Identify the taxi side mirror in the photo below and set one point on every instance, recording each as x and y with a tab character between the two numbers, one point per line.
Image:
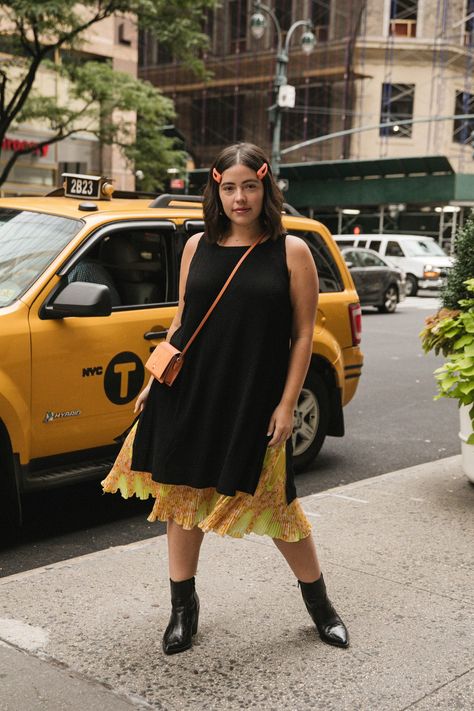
80	298
349	265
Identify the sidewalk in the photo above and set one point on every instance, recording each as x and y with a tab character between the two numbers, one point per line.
398	557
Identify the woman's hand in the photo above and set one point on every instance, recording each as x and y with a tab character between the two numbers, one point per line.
281	425
141	399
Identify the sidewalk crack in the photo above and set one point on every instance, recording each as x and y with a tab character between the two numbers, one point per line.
434	691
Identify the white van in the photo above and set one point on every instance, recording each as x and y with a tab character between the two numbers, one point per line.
424	262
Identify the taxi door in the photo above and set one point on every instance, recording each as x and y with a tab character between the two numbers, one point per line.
88	371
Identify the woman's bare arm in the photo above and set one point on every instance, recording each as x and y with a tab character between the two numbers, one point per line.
304	290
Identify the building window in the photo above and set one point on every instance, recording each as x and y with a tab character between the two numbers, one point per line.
469	25
150	52
397	105
238	26
283	12
217	120
310	116
464	104
320	14
208	29
403	15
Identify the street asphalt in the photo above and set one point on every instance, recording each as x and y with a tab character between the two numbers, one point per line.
397	555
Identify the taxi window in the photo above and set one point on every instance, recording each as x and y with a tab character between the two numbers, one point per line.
133	263
29	241
329	277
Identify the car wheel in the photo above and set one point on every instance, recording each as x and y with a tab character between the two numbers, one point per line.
310	421
411	287
10	500
390	301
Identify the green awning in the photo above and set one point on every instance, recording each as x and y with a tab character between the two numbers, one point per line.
382	167
428	180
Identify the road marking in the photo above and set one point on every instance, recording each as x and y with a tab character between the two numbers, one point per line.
349	498
311	514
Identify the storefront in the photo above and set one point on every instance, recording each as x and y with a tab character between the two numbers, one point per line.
40	171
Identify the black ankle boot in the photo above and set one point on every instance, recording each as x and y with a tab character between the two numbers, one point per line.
183	622
329	625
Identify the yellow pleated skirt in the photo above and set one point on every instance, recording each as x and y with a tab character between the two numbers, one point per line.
266	512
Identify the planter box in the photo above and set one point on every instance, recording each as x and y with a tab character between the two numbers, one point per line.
467	450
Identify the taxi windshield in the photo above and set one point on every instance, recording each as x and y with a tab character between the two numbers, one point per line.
29	241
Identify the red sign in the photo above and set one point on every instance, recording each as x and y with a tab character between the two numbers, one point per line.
15	144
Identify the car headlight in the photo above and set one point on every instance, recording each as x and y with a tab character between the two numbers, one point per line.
430	272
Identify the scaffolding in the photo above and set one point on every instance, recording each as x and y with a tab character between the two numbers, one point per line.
332	82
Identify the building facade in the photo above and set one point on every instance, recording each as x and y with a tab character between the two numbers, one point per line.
398	62
114	39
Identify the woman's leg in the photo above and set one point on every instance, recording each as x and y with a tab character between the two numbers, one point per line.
303	561
183	556
183	551
301	557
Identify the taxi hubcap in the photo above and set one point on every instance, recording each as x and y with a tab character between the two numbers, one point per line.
305	424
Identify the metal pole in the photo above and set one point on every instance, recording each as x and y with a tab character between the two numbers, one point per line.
361	129
279	80
381	218
275	115
441	228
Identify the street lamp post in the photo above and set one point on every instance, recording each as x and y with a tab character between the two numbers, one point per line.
284	93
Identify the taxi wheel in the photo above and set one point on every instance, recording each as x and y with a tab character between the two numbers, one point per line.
10	500
311	421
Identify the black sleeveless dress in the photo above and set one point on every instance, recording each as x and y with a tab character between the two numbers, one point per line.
210	428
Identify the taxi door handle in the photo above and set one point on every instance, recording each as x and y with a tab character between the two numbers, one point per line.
151	335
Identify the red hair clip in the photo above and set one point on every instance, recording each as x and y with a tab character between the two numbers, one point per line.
216	175
261	172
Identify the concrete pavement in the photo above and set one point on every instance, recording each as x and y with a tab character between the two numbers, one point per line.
398	558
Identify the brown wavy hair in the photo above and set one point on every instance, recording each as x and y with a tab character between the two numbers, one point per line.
216	221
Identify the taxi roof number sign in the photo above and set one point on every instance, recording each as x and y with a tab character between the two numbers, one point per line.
93	187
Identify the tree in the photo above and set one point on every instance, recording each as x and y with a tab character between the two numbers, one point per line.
463	268
100	100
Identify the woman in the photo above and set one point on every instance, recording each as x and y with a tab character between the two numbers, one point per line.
214	449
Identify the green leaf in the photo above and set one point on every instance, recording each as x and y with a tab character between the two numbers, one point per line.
470	439
464	341
466	388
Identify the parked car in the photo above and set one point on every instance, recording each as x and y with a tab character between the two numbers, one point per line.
378	282
88	287
424	262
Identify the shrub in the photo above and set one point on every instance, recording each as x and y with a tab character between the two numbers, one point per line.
463	268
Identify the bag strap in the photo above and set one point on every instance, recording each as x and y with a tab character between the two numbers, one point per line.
220	294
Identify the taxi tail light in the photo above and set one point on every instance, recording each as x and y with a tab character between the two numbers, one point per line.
355	314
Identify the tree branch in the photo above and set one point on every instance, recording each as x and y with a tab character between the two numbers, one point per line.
3	84
19	97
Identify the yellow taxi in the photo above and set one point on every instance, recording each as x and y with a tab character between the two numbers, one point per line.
88	287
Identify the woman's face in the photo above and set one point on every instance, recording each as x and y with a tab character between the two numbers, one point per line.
241	194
